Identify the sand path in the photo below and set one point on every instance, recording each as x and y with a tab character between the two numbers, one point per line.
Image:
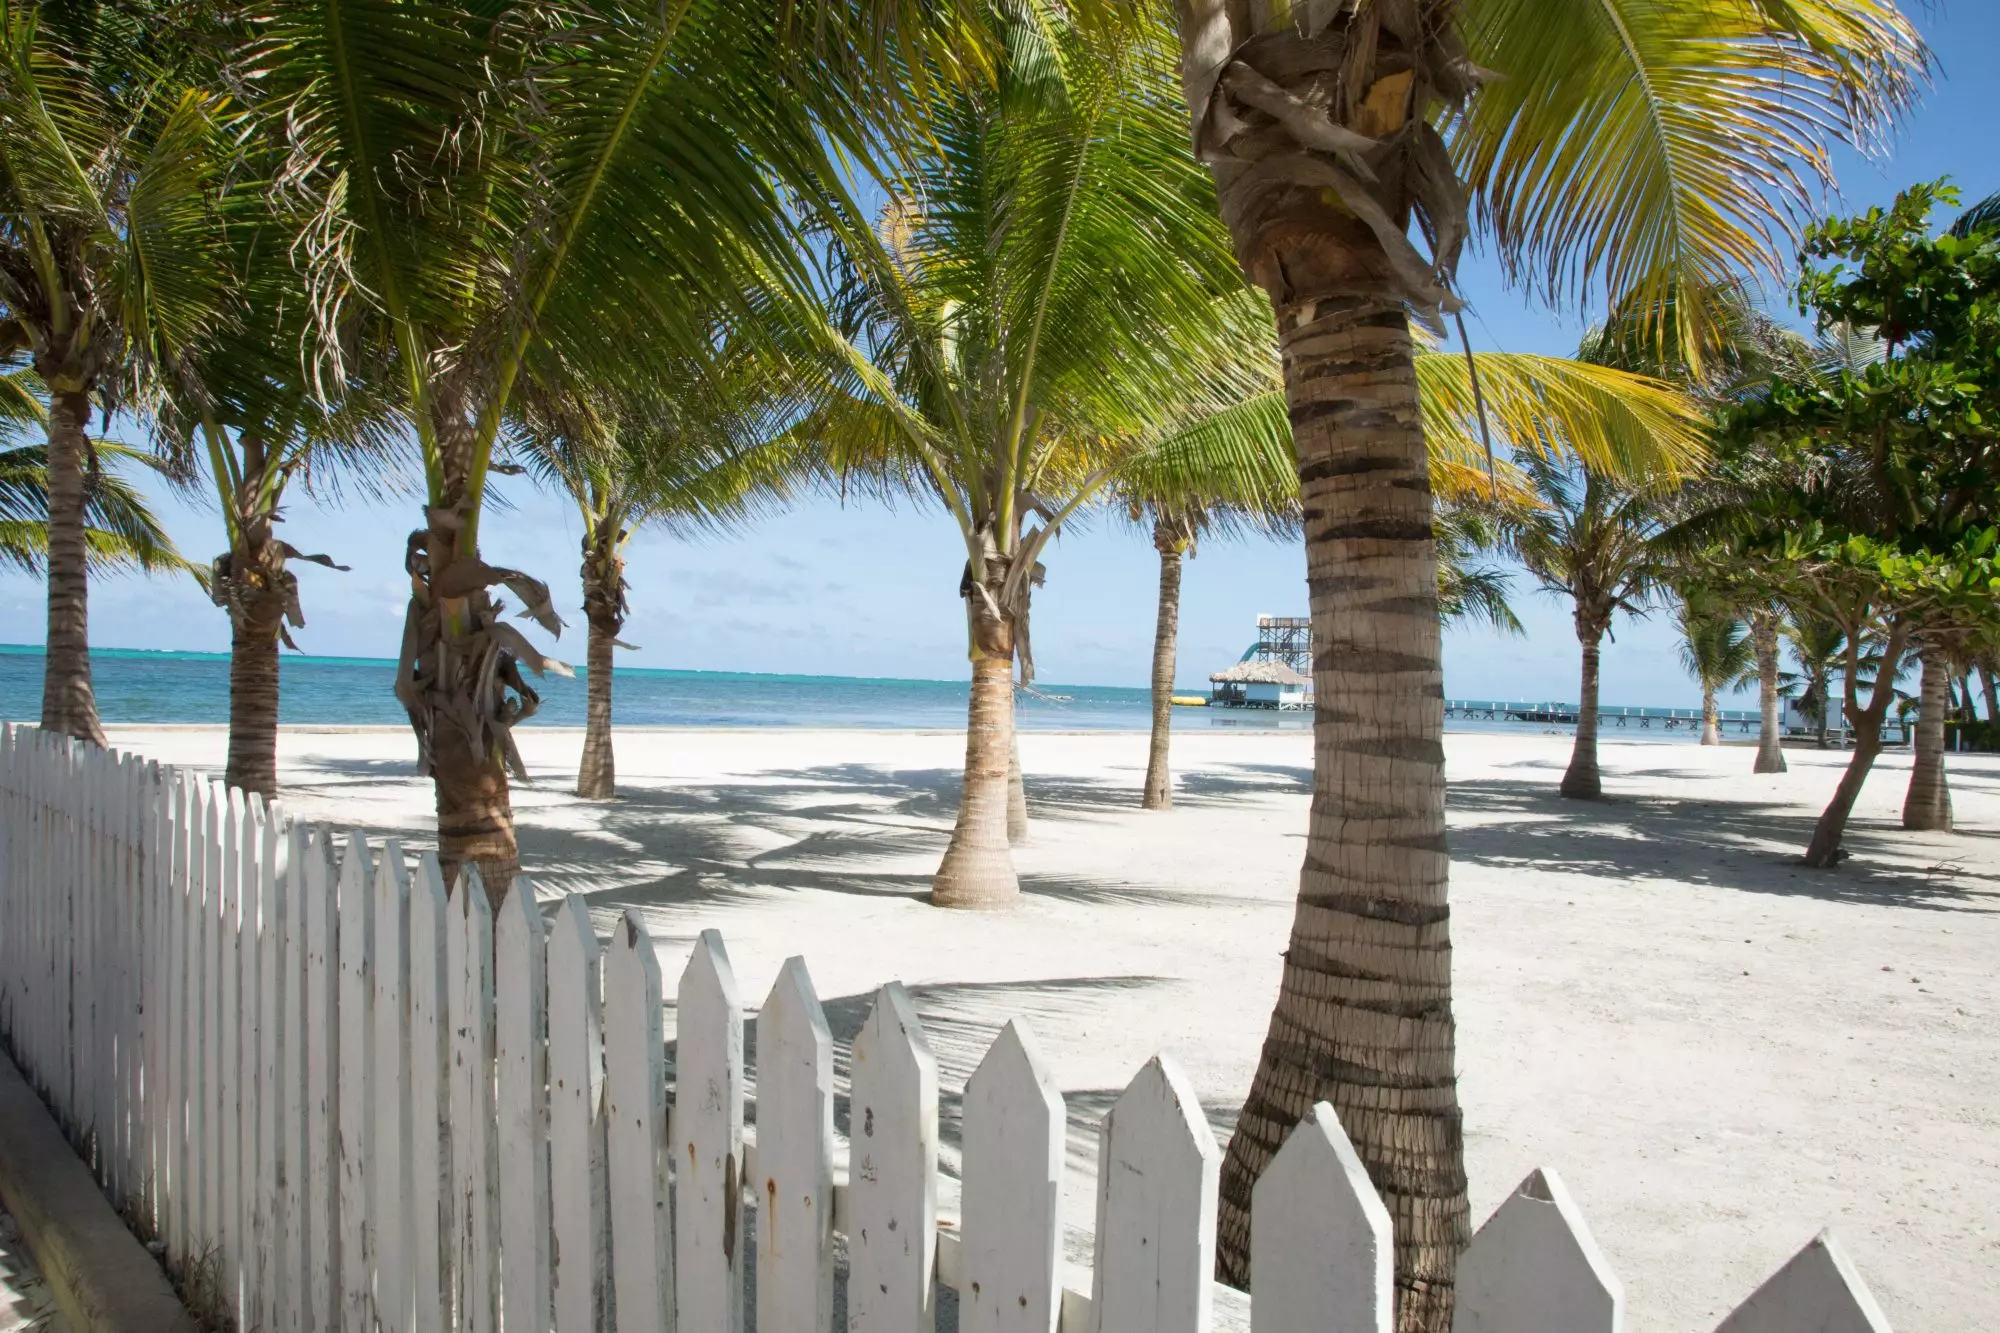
1719	1051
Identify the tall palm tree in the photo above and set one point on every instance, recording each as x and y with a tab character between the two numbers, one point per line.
1927	804
1717	650
1628	147
1589	539
497	196
1819	646
1049	299
649	461
105	261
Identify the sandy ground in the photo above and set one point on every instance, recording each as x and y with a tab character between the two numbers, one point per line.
1719	1051
26	1306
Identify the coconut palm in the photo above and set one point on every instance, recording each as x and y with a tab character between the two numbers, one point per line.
1050	299
679	464
1819	646
1629	147
106	261
1589	539
1927	804
1716	649
119	531
496	197
1765	622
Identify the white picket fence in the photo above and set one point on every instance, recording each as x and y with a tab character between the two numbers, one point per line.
343	1100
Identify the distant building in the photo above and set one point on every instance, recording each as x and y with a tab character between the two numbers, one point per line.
1259	684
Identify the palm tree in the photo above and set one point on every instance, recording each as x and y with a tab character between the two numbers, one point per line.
1819	646
1927	804
1591	540
1627	146
1716	650
105	262
1050	298
1766	621
651	461
592	189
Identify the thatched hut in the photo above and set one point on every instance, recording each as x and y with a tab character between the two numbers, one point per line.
1258	684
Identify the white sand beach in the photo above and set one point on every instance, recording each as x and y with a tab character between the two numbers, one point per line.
1719	1051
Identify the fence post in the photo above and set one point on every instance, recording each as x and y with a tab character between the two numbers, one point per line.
892	1190
642	1279
433	1219
521	1026
794	1157
1817	1291
390	1167
576	1127
469	955
1320	1238
1535	1268
708	1138
1011	1220
1157	1173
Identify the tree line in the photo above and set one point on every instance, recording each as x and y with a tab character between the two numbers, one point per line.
1021	260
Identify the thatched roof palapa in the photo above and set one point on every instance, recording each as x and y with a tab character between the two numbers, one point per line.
1259	673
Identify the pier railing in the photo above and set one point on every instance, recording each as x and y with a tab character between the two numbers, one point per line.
342	1098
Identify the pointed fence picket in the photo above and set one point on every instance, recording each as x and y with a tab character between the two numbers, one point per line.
354	1100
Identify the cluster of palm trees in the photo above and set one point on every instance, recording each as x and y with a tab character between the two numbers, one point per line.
683	261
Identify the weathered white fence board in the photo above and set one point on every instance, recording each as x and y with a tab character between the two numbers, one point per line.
433	1219
1319	1237
353	1146
642	1284
708	1137
469	967
1817	1291
357	1102
520	1030
1534	1268
389	1209
892	1187
793	1184
1158	1170
576	1127
1011	1229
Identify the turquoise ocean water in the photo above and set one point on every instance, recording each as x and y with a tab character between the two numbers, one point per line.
136	686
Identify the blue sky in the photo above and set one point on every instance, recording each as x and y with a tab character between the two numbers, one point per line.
868	592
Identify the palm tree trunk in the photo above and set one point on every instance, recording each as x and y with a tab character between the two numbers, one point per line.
254	626
978	868
69	704
1770	750
1581	780
604	610
1928	803
1992	693
1711	718
1159	793
1822	739
1017	789
1364	1018
1823	852
597	774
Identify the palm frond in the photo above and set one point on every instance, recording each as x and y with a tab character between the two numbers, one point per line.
1641	150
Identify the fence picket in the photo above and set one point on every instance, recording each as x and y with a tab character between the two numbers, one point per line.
1158	1168
229	1057
1534	1268
520	1035
469	965
794	1157
892	1192
642	1282
432	1229
354	1137
187	950
1817	1291
389	1204
708	1138
321	1232
213	1243
1011	1220
1320	1238
576	1146
296	1158
277	1101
